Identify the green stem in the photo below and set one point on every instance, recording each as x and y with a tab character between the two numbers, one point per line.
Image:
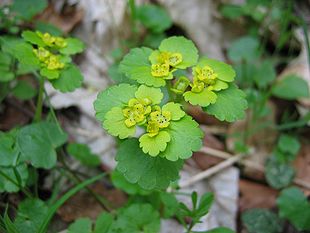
25	191
38	113
52	210
104	203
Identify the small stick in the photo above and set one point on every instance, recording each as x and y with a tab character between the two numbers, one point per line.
211	171
230	160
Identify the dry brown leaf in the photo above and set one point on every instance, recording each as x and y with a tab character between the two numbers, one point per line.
254	195
261	142
302	165
66	21
204	161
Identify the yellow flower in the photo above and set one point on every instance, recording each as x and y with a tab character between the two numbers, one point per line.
197	86
53	63
42	54
175	59
205	74
159	70
60	42
136	112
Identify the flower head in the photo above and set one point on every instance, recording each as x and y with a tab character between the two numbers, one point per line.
209	76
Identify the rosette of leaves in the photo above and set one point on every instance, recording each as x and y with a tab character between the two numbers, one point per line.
51	56
170	133
154	67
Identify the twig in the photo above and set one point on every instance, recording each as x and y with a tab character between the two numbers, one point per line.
211	171
249	164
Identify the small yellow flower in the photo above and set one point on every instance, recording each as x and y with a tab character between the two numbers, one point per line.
48	39
175	59
152	128
136	112
60	42
161	117
42	54
53	63
205	74
160	70
197	86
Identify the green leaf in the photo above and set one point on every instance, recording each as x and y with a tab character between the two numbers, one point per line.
231	11
70	79
30	215
151	93
22	51
103	223
81	225
154	145
8	151
37	143
117	95
154	17
153	40
170	204
224	71
24	91
50	74
5	67
73	46
261	221
289	144
33	38
295	207
279	175
204	205
48	27
175	109
244	49
291	87
185	138
12	178
137	218
265	74
53	208
230	104
136	66
179	44
148	172
4	91
118	77
83	153
114	124
120	182
203	99
27	9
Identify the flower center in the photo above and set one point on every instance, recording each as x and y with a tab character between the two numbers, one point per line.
203	77
158	120
166	62
47	59
136	112
159	70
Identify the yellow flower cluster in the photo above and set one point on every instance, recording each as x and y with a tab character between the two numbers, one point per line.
52	41
203	77
140	112
47	59
136	112
166	63
158	120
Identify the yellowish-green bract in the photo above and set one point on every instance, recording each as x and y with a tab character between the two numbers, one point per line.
168	133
